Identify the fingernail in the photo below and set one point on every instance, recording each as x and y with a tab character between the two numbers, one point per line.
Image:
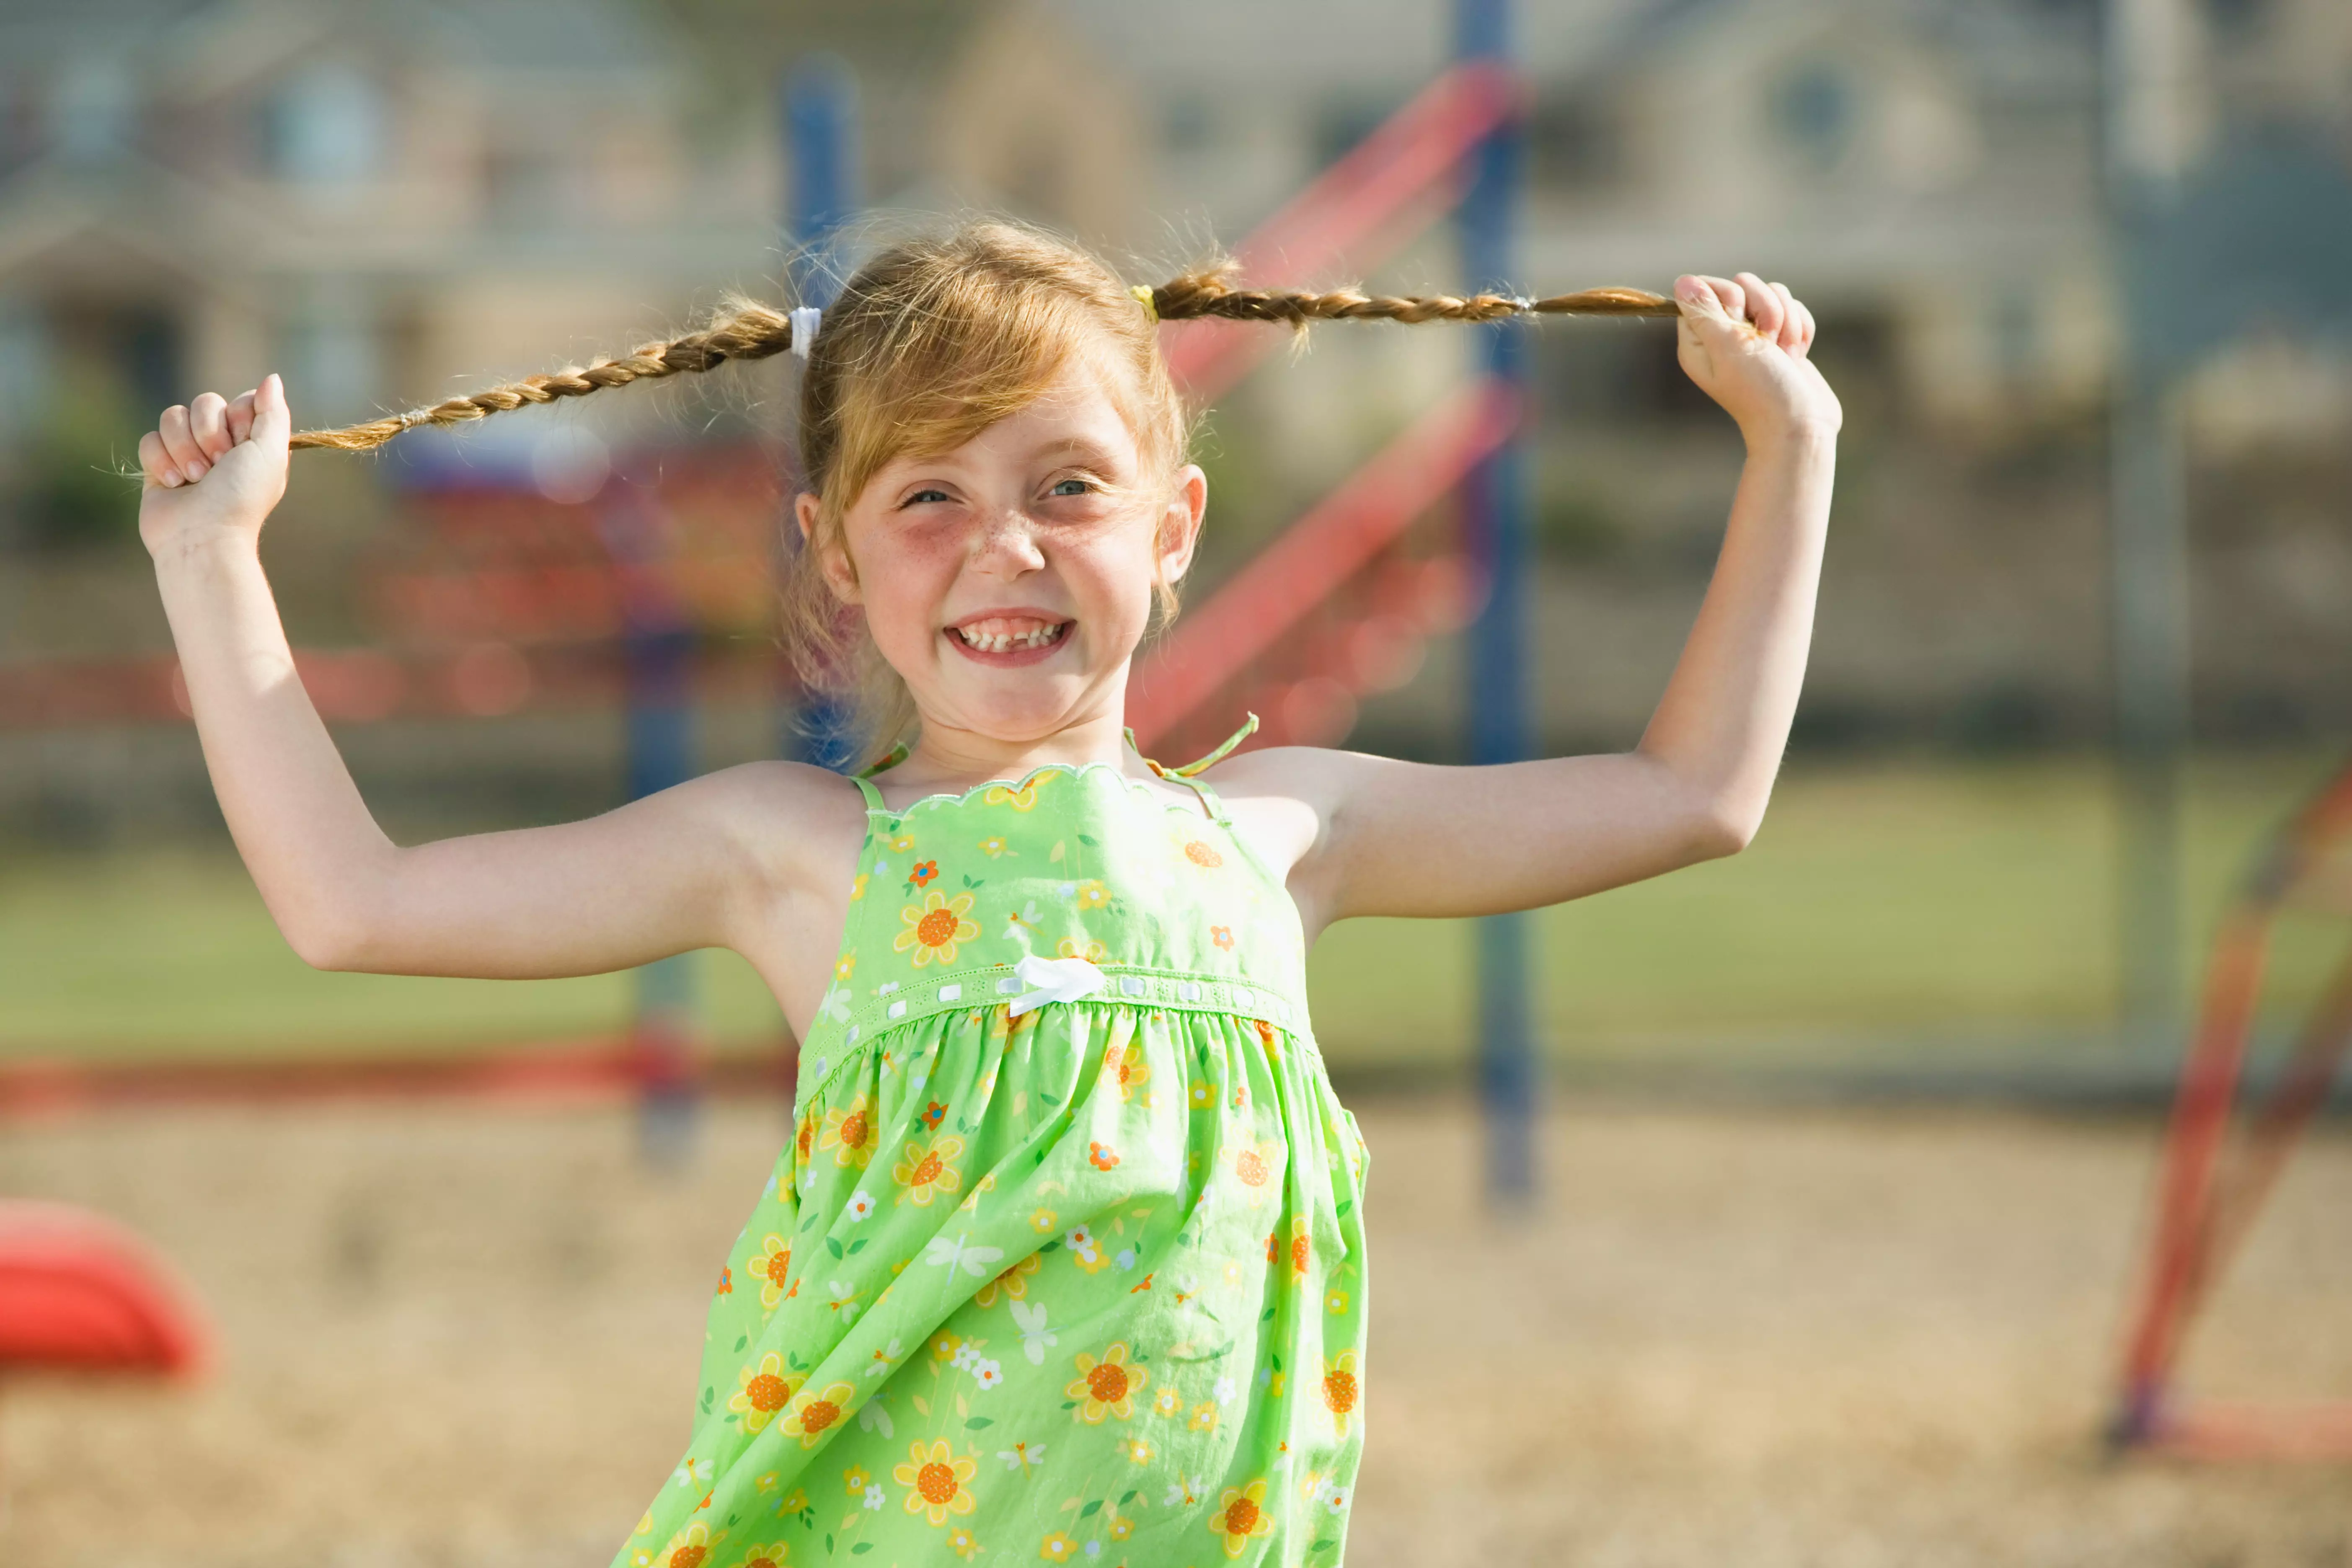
196	471
171	481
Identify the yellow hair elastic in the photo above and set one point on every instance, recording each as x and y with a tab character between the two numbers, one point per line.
1143	292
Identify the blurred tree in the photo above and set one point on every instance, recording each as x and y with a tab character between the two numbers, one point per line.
75	498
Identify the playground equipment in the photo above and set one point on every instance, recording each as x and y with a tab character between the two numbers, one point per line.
2213	1186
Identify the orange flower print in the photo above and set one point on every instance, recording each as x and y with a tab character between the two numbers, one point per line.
766	1389
804	1137
934	1113
815	1414
1223	936
1341	1389
1101	1156
1256	1165
1012	1284
771	1265
1241	1517
726	1281
1266	1037
1020	799
689	1548
1300	1248
1203	854
936	1478
925	1173
1123	1064
1105	1388
935	928
849	1134
771	1555
925	873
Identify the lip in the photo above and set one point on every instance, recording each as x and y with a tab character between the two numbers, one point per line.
1010	659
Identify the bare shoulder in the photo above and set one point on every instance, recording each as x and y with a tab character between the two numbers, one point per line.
1287	802
793	822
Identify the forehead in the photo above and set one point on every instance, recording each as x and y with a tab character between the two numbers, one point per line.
1080	408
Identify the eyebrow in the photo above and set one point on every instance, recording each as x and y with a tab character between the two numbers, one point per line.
1079	446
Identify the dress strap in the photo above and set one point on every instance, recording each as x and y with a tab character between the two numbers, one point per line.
865	776
1183	775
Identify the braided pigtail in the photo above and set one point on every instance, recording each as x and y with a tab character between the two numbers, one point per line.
740	330
743	329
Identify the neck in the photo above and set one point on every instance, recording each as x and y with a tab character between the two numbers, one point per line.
947	757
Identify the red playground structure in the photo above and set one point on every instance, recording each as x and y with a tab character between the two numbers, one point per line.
2213	1183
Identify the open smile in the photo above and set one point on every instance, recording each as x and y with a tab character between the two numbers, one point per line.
1009	637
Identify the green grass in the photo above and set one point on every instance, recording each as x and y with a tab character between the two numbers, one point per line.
1882	905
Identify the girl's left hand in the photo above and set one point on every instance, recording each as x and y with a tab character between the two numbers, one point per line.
1745	342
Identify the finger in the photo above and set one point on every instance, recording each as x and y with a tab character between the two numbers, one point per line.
156	462
181	445
207	426
1731	296
1792	323
1805	336
240	416
1763	305
1700	298
273	422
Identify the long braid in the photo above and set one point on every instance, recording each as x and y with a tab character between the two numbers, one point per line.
749	331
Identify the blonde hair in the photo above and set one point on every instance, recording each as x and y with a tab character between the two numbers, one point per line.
928	345
930	342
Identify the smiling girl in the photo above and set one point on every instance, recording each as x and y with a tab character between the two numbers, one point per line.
1066	1258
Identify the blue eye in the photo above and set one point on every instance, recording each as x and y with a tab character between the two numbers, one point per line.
1063	488
926	495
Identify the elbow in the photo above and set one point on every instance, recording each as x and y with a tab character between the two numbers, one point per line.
1723	828
326	940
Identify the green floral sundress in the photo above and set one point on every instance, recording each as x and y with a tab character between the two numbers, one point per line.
1066	1261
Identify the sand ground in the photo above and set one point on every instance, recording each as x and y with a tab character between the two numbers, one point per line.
465	1336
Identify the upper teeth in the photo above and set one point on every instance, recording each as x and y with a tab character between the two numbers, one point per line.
1002	642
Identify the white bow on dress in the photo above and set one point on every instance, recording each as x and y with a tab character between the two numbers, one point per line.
1054	979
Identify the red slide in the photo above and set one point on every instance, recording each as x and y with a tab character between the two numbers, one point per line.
80	1293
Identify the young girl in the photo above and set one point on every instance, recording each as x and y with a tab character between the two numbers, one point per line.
1065	1259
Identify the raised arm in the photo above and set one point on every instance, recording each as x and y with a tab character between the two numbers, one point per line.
1400	838
675	871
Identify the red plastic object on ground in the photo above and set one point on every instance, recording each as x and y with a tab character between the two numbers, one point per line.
2213	1185
80	1293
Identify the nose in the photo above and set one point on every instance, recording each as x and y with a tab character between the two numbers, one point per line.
1007	546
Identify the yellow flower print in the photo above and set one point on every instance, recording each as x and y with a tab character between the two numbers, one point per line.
857	886
849	1134
1012	1284
1121	1528
855	1480
1044	1221
1057	1548
1204	1417
1301	1249
1091	895
845	966
1021	799
795	1501
926	1173
935	928
1139	1450
1085	1250
770	1266
1241	1517
1336	1303
1123	1066
1341	1389
903	842
1105	1388
765	1390
1168	1401
1202	1093
771	1555
813	1414
936	1478
963	1542
689	1548
1092	951
993	846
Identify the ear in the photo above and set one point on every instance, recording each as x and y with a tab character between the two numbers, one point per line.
833	561
1180	523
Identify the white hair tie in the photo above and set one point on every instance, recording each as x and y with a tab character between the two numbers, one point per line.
804	320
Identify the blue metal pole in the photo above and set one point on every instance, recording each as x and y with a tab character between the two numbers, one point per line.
657	646
820	124
1494	512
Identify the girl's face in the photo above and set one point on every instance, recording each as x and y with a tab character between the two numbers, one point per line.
1009	581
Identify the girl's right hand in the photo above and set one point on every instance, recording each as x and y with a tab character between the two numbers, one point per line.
214	466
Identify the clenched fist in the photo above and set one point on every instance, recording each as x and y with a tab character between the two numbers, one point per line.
1744	342
213	466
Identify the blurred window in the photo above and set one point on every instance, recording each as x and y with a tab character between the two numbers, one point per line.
24	366
1815	108
1572	139
324	126
527	178
1189	124
93	111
